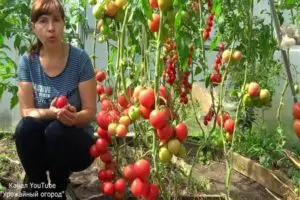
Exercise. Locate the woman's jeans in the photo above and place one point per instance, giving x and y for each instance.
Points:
(51, 146)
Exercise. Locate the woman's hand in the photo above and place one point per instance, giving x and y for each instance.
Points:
(67, 115)
(53, 108)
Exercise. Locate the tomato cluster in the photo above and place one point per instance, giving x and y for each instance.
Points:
(215, 77)
(296, 115)
(228, 124)
(170, 59)
(209, 22)
(256, 96)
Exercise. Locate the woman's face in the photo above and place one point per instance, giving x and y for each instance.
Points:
(49, 29)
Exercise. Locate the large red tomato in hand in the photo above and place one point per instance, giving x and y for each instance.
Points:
(61, 102)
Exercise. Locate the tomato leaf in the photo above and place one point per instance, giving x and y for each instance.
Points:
(182, 42)
(207, 80)
(146, 9)
(217, 7)
(178, 18)
(13, 101)
(1, 40)
(198, 70)
(215, 41)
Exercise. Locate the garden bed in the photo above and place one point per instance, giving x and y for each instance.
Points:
(249, 181)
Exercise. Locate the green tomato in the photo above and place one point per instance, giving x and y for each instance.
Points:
(174, 146)
(164, 155)
(297, 88)
(248, 101)
(120, 15)
(92, 2)
(134, 113)
(98, 11)
(164, 5)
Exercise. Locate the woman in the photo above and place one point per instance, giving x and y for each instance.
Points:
(48, 138)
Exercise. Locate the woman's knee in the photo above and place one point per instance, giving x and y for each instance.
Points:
(29, 128)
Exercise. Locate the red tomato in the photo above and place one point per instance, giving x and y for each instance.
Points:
(225, 117)
(158, 119)
(61, 102)
(120, 185)
(108, 90)
(215, 77)
(254, 89)
(153, 3)
(229, 126)
(93, 151)
(113, 165)
(154, 191)
(297, 127)
(102, 133)
(296, 110)
(109, 174)
(101, 145)
(106, 105)
(122, 101)
(103, 119)
(163, 94)
(142, 169)
(102, 175)
(99, 89)
(181, 131)
(107, 188)
(128, 172)
(147, 98)
(205, 35)
(106, 157)
(154, 23)
(165, 133)
(137, 187)
(100, 76)
(145, 112)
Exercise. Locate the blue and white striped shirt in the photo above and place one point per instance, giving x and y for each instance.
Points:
(78, 68)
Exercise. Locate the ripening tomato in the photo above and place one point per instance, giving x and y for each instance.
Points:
(153, 3)
(106, 104)
(145, 112)
(296, 127)
(122, 101)
(100, 76)
(165, 133)
(225, 117)
(121, 130)
(296, 110)
(93, 151)
(158, 119)
(137, 187)
(120, 185)
(147, 98)
(181, 131)
(100, 89)
(107, 188)
(128, 172)
(101, 145)
(142, 169)
(61, 102)
(154, 23)
(106, 157)
(108, 90)
(103, 119)
(229, 126)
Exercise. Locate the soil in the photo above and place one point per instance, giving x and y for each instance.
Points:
(85, 184)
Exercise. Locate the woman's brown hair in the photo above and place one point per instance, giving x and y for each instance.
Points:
(44, 7)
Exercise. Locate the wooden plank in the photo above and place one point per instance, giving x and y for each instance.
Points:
(273, 180)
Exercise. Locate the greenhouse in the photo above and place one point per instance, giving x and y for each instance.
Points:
(150, 99)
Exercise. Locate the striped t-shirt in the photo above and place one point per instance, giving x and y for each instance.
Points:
(78, 68)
